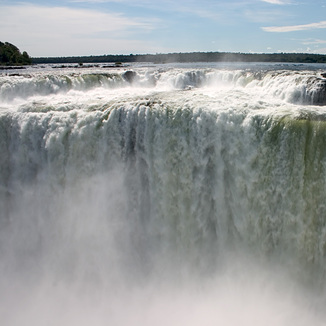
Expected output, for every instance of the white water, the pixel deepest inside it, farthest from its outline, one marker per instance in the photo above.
(190, 196)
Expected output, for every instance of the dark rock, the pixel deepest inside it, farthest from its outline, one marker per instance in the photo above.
(129, 76)
(319, 94)
(323, 74)
(11, 67)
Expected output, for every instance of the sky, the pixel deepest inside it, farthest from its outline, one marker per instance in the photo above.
(51, 28)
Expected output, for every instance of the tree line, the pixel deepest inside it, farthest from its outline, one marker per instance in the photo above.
(10, 55)
(190, 57)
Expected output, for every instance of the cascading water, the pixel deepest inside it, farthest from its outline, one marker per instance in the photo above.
(165, 196)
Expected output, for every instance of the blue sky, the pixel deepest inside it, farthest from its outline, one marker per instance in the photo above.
(96, 27)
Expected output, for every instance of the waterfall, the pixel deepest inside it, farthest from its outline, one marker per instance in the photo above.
(104, 189)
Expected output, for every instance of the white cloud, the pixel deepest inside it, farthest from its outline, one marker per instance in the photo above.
(60, 30)
(130, 2)
(277, 2)
(294, 28)
(207, 9)
(313, 41)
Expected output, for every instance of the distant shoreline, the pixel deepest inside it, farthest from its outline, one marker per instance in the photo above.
(189, 57)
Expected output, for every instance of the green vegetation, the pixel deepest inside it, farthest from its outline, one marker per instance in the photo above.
(11, 56)
(191, 57)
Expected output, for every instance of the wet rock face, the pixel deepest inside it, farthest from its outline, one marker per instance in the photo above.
(319, 95)
(129, 76)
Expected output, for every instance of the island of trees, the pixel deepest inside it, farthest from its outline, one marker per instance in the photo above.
(10, 55)
(190, 57)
